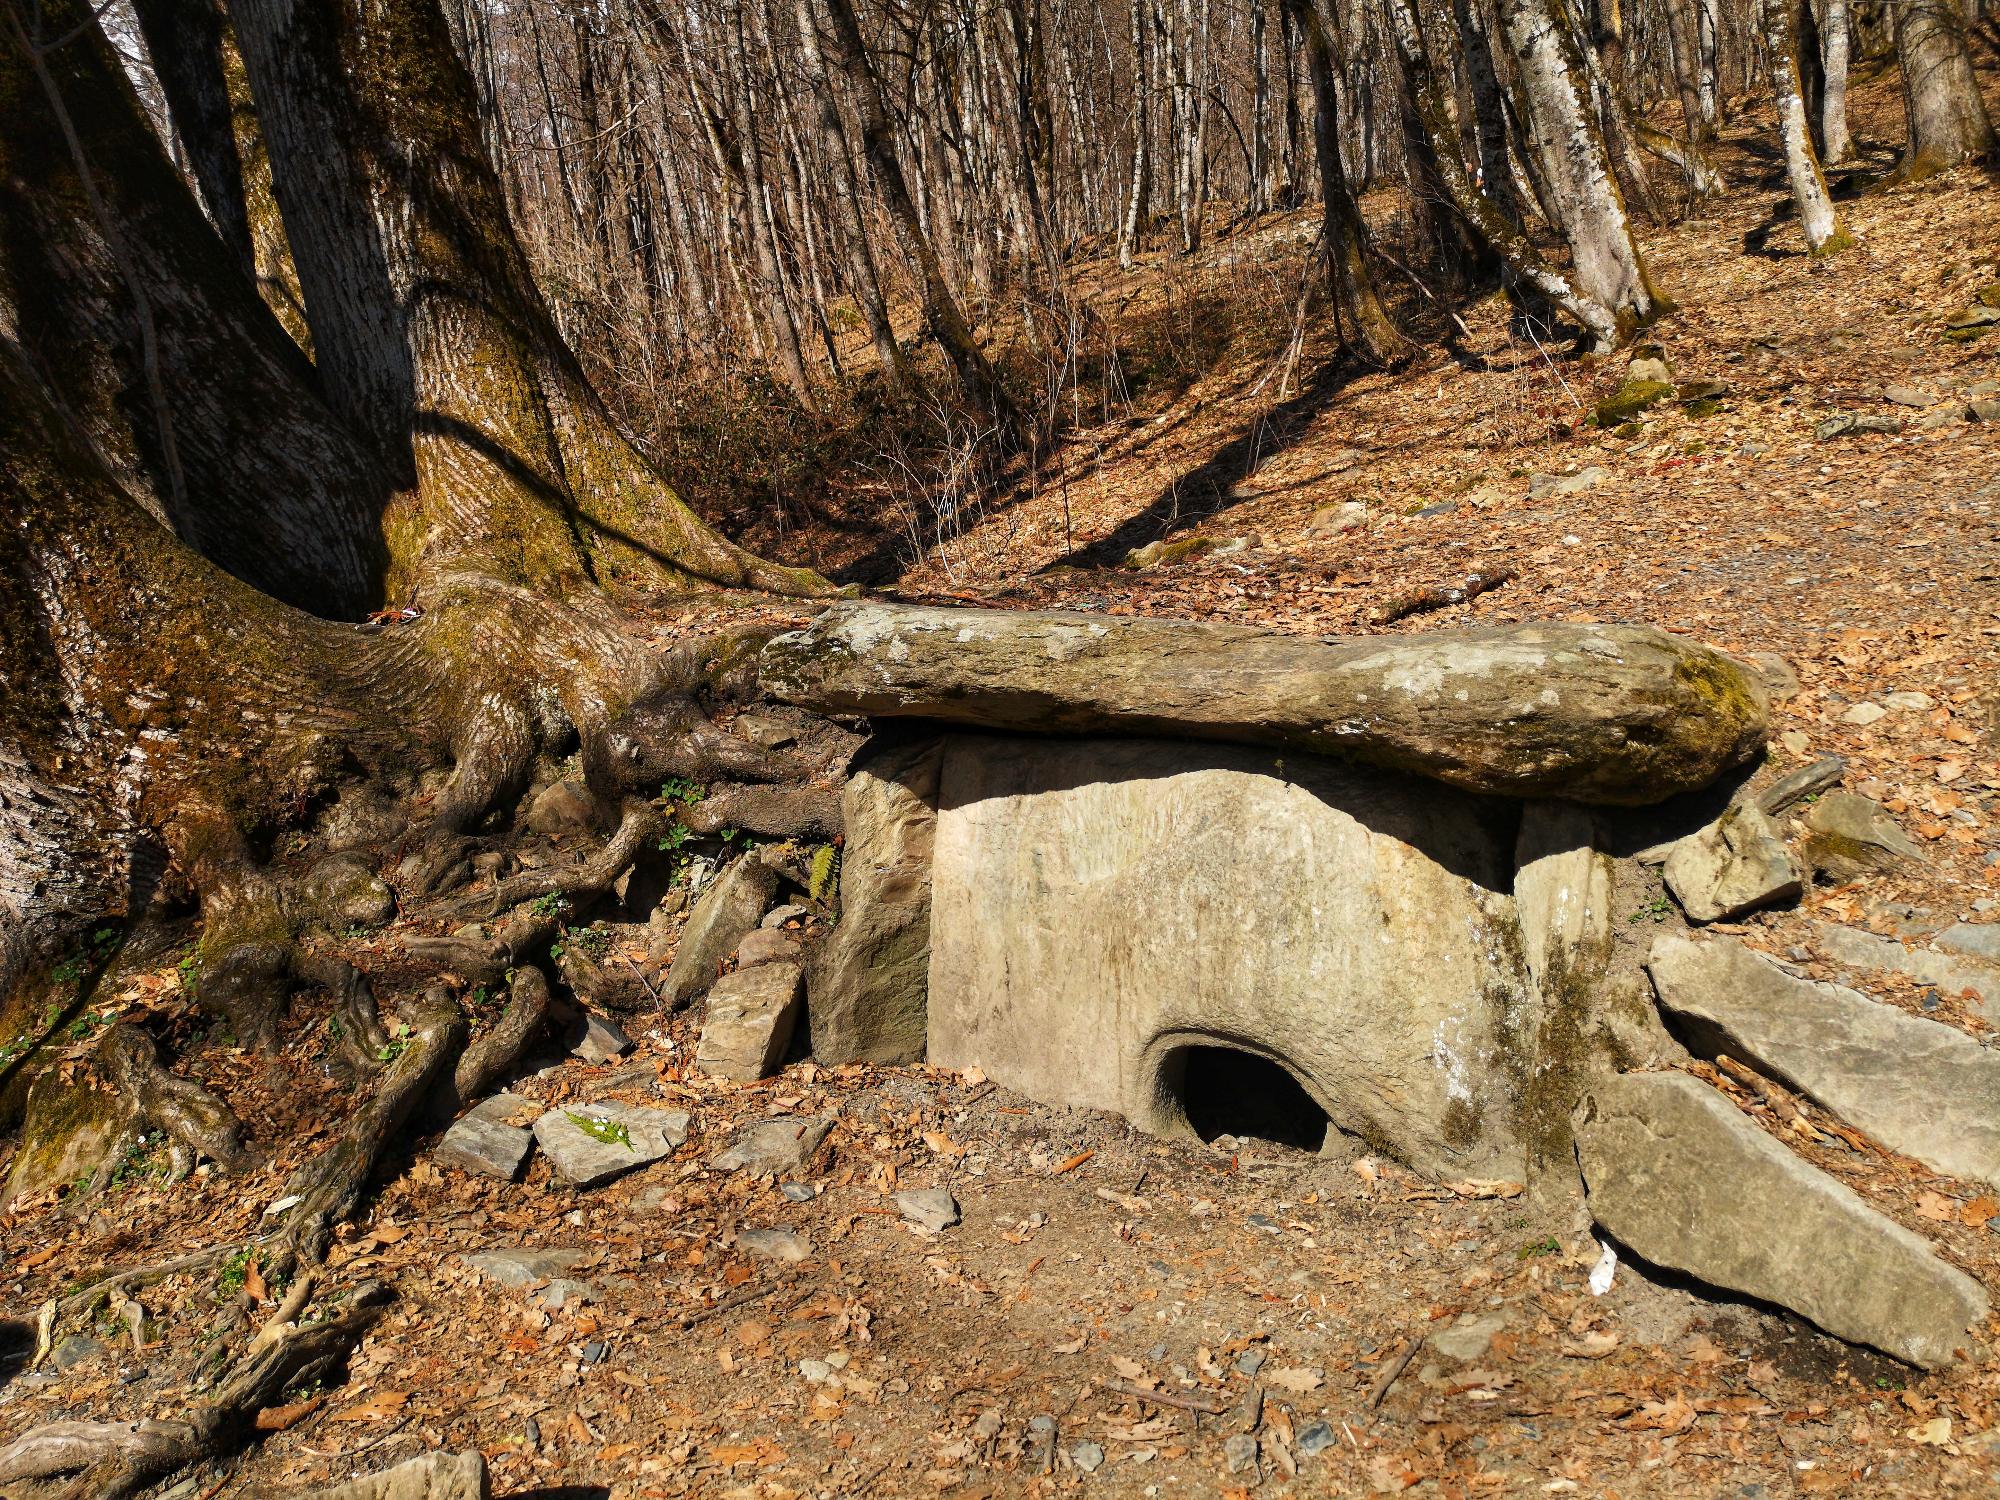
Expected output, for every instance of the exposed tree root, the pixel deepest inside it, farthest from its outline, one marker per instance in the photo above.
(330, 1186)
(496, 1053)
(196, 1122)
(117, 1459)
(778, 812)
(361, 1038)
(597, 873)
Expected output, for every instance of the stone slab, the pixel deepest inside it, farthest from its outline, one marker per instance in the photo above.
(1954, 974)
(781, 1145)
(485, 1139)
(623, 1138)
(751, 1015)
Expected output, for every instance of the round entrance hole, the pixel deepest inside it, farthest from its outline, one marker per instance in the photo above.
(1227, 1091)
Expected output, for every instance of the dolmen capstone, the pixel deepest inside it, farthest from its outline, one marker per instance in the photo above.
(1100, 858)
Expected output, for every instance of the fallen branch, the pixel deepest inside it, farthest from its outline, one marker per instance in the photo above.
(1419, 601)
(1163, 1398)
(1394, 1371)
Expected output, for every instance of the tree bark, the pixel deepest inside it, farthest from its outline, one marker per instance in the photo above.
(1591, 211)
(1947, 117)
(185, 40)
(1817, 219)
(430, 331)
(1835, 35)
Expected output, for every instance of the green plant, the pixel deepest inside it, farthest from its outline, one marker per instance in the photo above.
(189, 969)
(680, 790)
(84, 1025)
(822, 871)
(1655, 909)
(234, 1273)
(396, 1046)
(554, 904)
(136, 1163)
(611, 1132)
(1535, 1248)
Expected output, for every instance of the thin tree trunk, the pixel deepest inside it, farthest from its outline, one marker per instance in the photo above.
(1834, 35)
(185, 40)
(1132, 228)
(1609, 269)
(1817, 218)
(942, 318)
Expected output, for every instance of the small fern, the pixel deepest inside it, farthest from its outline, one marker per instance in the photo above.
(822, 871)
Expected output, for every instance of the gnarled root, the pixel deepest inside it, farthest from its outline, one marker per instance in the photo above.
(597, 873)
(491, 1058)
(330, 1186)
(198, 1123)
(361, 1037)
(120, 1458)
(811, 811)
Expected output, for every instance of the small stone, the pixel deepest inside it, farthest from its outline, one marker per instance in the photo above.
(1849, 835)
(931, 1208)
(1649, 363)
(1470, 1337)
(518, 1270)
(765, 945)
(751, 1014)
(766, 730)
(1908, 395)
(434, 1476)
(1442, 508)
(1864, 714)
(1910, 701)
(562, 809)
(1980, 940)
(1753, 449)
(1541, 485)
(1087, 1456)
(1777, 674)
(1239, 1453)
(1041, 1449)
(1315, 1440)
(1983, 411)
(77, 1349)
(1250, 1361)
(815, 1371)
(781, 1145)
(594, 1352)
(776, 1244)
(601, 1040)
(799, 1192)
(1338, 520)
(778, 916)
(484, 1139)
(594, 1143)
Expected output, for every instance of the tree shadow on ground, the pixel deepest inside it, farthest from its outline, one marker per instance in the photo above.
(1210, 488)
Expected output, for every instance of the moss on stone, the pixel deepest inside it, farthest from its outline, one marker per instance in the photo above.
(1631, 398)
(1157, 554)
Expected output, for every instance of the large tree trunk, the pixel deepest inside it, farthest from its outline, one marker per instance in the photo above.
(430, 332)
(1608, 266)
(1817, 218)
(185, 40)
(148, 331)
(1947, 117)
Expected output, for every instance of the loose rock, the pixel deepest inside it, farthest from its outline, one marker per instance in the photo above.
(775, 1244)
(594, 1143)
(1848, 835)
(1677, 1173)
(540, 1269)
(1736, 864)
(930, 1208)
(765, 945)
(730, 907)
(435, 1476)
(487, 1141)
(600, 1040)
(749, 1024)
(1954, 974)
(781, 1145)
(562, 809)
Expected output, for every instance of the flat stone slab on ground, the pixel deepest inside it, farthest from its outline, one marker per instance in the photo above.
(781, 1145)
(1952, 973)
(1919, 1087)
(590, 1144)
(542, 1270)
(1848, 834)
(485, 1140)
(1678, 1174)
(749, 1024)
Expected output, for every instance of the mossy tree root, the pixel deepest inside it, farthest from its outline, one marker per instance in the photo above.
(118, 1459)
(197, 1123)
(495, 1054)
(639, 824)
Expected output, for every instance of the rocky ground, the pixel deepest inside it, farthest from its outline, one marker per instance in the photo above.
(1113, 1315)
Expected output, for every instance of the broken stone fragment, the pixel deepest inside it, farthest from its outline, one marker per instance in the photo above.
(781, 1145)
(1848, 835)
(928, 1208)
(1736, 864)
(487, 1140)
(601, 1039)
(1541, 486)
(590, 1144)
(562, 809)
(751, 1014)
(1919, 1087)
(435, 1476)
(538, 1272)
(869, 984)
(775, 1244)
(730, 907)
(763, 945)
(1593, 713)
(1679, 1175)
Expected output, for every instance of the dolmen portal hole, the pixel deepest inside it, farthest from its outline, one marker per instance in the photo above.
(1224, 1090)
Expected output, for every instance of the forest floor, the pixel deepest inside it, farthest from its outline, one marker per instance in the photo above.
(1156, 1301)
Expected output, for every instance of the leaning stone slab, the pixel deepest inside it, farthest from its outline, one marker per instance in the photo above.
(868, 989)
(1952, 973)
(435, 1476)
(781, 1145)
(1848, 834)
(1676, 1173)
(1919, 1087)
(590, 1144)
(751, 1015)
(1595, 713)
(729, 908)
(1736, 864)
(485, 1139)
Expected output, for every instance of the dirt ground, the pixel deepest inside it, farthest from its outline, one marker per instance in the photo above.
(1156, 1301)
